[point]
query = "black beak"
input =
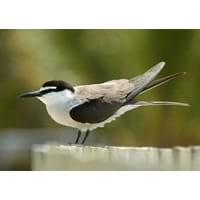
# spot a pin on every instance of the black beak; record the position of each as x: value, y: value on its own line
x: 31, y: 94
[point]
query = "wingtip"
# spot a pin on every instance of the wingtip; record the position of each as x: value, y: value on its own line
x: 161, y: 64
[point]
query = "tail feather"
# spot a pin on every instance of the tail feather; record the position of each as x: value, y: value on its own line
x: 162, y: 81
x: 159, y: 103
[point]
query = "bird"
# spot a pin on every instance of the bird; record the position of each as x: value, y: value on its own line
x: 87, y: 107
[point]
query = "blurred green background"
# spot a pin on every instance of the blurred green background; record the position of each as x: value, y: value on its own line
x: 30, y: 57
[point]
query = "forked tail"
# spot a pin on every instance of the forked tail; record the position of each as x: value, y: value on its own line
x: 161, y: 81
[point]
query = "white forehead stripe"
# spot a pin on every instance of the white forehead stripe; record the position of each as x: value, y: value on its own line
x: 47, y: 88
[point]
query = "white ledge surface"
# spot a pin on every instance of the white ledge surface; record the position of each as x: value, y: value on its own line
x: 79, y: 157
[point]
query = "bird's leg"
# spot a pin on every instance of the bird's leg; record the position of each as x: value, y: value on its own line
x: 86, y: 135
x: 78, y: 136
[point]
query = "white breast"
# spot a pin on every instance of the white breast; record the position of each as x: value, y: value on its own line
x: 60, y: 114
x: 58, y: 106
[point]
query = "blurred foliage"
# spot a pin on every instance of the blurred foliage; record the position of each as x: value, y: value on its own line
x: 30, y: 57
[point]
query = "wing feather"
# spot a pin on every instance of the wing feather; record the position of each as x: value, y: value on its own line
x: 94, y: 111
x: 100, y: 101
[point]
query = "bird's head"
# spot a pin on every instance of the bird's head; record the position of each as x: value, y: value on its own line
x: 52, y: 91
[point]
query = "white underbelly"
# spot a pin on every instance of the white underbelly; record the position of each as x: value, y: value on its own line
x: 61, y: 116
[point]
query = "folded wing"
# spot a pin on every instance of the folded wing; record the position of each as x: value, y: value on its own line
x: 100, y: 101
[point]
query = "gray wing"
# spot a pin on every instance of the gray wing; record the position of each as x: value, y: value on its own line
x: 140, y: 82
x: 115, y: 90
x: 100, y: 101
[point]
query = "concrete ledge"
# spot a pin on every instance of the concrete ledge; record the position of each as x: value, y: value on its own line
x: 79, y: 157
